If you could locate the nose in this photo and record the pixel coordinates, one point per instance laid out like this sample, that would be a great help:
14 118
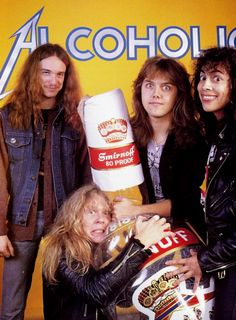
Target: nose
101 218
207 84
53 78
156 92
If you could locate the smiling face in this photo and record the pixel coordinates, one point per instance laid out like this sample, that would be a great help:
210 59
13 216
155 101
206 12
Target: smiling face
159 95
52 74
214 89
96 218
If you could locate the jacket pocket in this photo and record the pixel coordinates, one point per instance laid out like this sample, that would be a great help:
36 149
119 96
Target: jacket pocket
70 140
18 147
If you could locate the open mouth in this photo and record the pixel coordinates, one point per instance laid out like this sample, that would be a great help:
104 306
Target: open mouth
208 98
98 232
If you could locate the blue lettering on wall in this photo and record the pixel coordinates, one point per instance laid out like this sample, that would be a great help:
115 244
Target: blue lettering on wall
153 42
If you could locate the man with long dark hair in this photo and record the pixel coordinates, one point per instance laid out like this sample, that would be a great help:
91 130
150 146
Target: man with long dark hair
215 98
43 158
171 148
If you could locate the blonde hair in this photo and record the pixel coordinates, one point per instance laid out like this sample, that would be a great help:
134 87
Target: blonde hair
67 237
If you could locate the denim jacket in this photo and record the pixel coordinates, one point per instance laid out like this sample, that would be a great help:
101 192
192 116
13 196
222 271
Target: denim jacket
69 163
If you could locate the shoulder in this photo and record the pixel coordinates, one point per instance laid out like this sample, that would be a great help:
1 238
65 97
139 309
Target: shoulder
197 149
4 113
5 109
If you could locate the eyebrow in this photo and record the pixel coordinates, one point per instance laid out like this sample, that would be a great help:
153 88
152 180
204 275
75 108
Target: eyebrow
45 69
150 80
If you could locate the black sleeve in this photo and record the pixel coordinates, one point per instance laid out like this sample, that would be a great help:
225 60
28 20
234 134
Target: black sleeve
101 287
223 252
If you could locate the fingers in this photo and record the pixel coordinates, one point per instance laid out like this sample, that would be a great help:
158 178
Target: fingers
6 249
156 217
10 248
80 107
162 222
140 219
187 268
175 262
184 275
6 254
165 227
193 252
141 222
151 230
124 207
118 199
196 283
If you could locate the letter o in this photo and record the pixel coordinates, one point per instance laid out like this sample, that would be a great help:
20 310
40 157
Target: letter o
176 32
99 38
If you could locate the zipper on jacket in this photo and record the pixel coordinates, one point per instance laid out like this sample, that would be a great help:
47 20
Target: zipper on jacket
85 310
222 268
228 188
226 157
232 211
126 257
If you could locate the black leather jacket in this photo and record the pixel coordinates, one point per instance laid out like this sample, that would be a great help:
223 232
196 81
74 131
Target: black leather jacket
77 297
181 175
220 205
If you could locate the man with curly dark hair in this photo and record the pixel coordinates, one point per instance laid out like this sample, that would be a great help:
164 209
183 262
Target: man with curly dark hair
215 98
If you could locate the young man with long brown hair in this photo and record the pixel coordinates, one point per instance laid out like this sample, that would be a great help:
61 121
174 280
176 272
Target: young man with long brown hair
43 158
171 148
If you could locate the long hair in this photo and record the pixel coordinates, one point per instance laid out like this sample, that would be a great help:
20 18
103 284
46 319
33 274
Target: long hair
67 237
25 98
183 116
209 60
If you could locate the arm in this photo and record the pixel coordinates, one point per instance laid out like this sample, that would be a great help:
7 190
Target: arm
125 207
103 286
207 259
6 248
221 212
182 173
222 253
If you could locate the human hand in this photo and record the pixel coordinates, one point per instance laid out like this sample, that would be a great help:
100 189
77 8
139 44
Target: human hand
6 249
150 231
80 108
124 207
187 268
